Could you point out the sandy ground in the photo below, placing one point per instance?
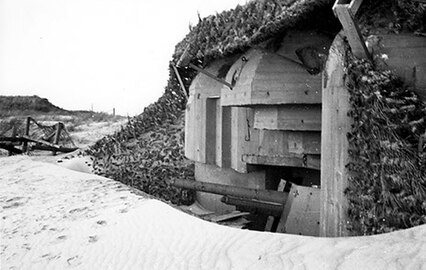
(56, 218)
(88, 134)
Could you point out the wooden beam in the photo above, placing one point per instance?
(290, 160)
(301, 212)
(352, 31)
(58, 128)
(210, 75)
(288, 117)
(273, 220)
(285, 212)
(50, 148)
(182, 86)
(41, 142)
(354, 6)
(334, 144)
(27, 133)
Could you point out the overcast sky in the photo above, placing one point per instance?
(100, 53)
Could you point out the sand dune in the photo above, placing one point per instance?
(55, 218)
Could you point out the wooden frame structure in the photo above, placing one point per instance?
(50, 142)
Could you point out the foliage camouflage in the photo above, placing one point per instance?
(387, 187)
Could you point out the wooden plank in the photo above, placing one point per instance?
(289, 117)
(286, 211)
(352, 31)
(42, 142)
(271, 143)
(27, 133)
(290, 160)
(301, 212)
(229, 216)
(304, 142)
(272, 219)
(199, 130)
(354, 6)
(219, 138)
(279, 142)
(334, 145)
(58, 129)
(182, 86)
(189, 128)
(244, 138)
(282, 82)
(49, 148)
(287, 96)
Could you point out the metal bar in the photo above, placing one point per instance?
(248, 193)
(210, 75)
(182, 86)
(271, 209)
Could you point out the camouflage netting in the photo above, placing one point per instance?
(238, 29)
(392, 16)
(387, 187)
(149, 149)
(387, 190)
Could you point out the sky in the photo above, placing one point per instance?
(94, 54)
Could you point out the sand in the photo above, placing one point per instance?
(56, 218)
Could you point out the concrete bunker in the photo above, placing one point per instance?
(265, 133)
(280, 122)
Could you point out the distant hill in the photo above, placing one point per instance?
(24, 105)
